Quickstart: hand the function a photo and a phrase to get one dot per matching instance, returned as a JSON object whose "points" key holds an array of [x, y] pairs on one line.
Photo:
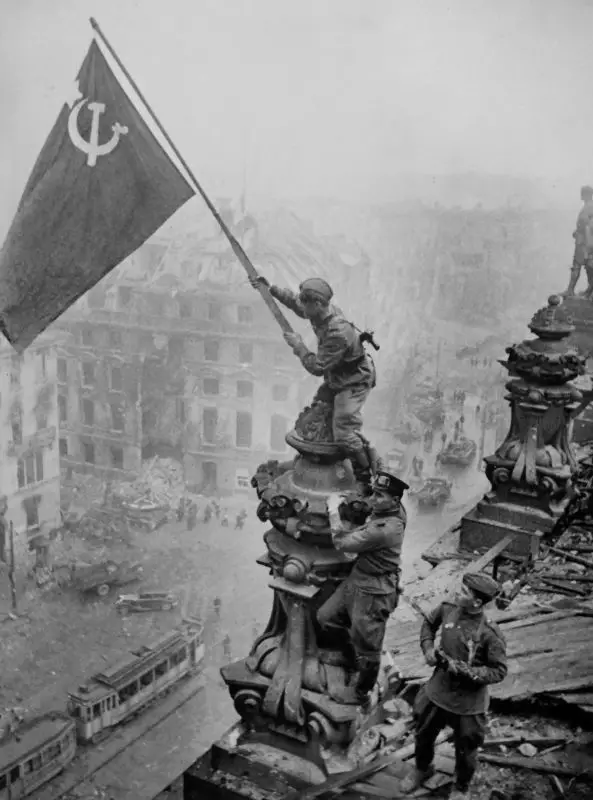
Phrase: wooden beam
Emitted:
{"points": [[570, 557], [534, 765], [489, 556]]}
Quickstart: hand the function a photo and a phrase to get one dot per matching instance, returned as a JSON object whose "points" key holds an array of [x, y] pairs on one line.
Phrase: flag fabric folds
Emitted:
{"points": [[101, 186]]}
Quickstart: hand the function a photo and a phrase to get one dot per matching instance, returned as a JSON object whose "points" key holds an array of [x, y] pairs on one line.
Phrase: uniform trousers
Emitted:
{"points": [[358, 616], [469, 731]]}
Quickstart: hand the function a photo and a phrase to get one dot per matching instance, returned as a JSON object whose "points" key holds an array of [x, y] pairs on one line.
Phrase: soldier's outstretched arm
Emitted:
{"points": [[288, 299]]}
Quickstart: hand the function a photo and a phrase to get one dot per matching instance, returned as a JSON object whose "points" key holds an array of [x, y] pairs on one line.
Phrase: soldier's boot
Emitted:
{"points": [[368, 672], [589, 290], [415, 779], [575, 274]]}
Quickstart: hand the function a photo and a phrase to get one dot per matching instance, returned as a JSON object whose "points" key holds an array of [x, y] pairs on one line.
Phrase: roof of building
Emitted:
{"points": [[281, 245]]}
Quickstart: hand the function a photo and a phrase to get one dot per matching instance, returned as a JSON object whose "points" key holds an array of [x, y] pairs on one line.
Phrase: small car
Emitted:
{"points": [[434, 492], [146, 601]]}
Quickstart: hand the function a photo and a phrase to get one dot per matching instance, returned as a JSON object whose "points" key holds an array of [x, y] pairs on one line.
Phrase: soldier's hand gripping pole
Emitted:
{"points": [[236, 247]]}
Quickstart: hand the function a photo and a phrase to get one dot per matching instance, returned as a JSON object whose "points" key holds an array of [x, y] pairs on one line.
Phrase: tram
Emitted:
{"points": [[43, 747], [116, 693]]}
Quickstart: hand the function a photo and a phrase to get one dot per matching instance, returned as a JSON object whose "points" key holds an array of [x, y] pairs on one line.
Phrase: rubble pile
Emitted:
{"points": [[161, 483]]}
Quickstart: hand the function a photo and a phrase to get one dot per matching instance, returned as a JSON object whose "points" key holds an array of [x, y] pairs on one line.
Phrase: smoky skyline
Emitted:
{"points": [[333, 98]]}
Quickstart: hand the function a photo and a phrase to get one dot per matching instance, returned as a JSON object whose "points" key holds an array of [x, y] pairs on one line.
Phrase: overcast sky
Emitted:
{"points": [[320, 97]]}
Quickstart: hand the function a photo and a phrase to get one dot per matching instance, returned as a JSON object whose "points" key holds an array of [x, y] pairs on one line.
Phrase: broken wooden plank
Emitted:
{"points": [[565, 576], [489, 556], [570, 557], [565, 585], [535, 765], [540, 619], [344, 779], [537, 741]]}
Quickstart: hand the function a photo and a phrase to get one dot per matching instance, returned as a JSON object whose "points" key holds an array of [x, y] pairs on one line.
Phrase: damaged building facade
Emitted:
{"points": [[175, 355], [29, 438]]}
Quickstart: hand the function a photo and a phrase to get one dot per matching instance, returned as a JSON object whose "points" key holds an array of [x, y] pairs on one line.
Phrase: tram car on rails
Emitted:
{"points": [[119, 692], [42, 748]]}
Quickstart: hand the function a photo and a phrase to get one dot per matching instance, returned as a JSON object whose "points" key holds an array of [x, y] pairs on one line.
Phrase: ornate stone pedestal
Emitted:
{"points": [[531, 471], [294, 692]]}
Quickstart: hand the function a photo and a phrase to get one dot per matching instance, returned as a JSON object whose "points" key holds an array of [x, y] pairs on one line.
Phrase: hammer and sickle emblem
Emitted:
{"points": [[92, 148]]}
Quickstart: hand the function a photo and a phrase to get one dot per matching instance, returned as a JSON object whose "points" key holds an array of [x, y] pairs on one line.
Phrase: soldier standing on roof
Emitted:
{"points": [[347, 369], [358, 610], [583, 244], [472, 655]]}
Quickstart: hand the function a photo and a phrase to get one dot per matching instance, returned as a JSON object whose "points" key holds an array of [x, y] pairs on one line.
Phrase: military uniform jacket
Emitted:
{"points": [[468, 637], [341, 357], [377, 545]]}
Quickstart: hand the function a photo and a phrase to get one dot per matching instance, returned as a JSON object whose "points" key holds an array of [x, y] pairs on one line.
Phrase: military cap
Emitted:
{"points": [[389, 483], [317, 287], [484, 587], [587, 190]]}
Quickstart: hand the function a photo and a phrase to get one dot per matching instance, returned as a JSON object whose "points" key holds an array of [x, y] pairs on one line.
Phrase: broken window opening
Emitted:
{"points": [[244, 429], [244, 389], [117, 457], [209, 425], [211, 350], [62, 370], [88, 373], [211, 386], [88, 412], [245, 314], [116, 378], [88, 449], [246, 353]]}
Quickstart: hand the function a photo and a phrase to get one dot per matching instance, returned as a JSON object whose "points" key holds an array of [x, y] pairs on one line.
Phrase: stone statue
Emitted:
{"points": [[583, 249]]}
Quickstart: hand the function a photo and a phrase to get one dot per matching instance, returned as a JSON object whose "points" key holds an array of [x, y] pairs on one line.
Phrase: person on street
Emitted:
{"points": [[217, 606], [240, 519], [356, 614], [583, 244], [348, 370], [192, 516], [225, 520], [471, 656], [208, 513]]}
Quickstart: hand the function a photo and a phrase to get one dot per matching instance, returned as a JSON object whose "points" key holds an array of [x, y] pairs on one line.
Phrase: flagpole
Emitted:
{"points": [[237, 249]]}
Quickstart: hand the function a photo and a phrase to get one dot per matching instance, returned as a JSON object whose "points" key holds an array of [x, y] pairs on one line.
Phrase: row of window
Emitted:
{"points": [[211, 386], [16, 365], [116, 454], [16, 422], [116, 379], [244, 429], [87, 408], [157, 304]]}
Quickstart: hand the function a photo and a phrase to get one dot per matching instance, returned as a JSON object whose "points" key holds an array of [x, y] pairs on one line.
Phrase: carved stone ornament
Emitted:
{"points": [[295, 681], [536, 460]]}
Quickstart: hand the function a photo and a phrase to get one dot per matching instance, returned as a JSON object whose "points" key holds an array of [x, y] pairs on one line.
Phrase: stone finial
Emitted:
{"points": [[553, 321]]}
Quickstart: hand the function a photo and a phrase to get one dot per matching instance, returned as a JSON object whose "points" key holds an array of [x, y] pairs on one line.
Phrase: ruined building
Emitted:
{"points": [[29, 439], [174, 354]]}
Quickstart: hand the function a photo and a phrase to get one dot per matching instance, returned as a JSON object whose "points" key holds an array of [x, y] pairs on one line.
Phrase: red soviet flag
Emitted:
{"points": [[101, 186]]}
